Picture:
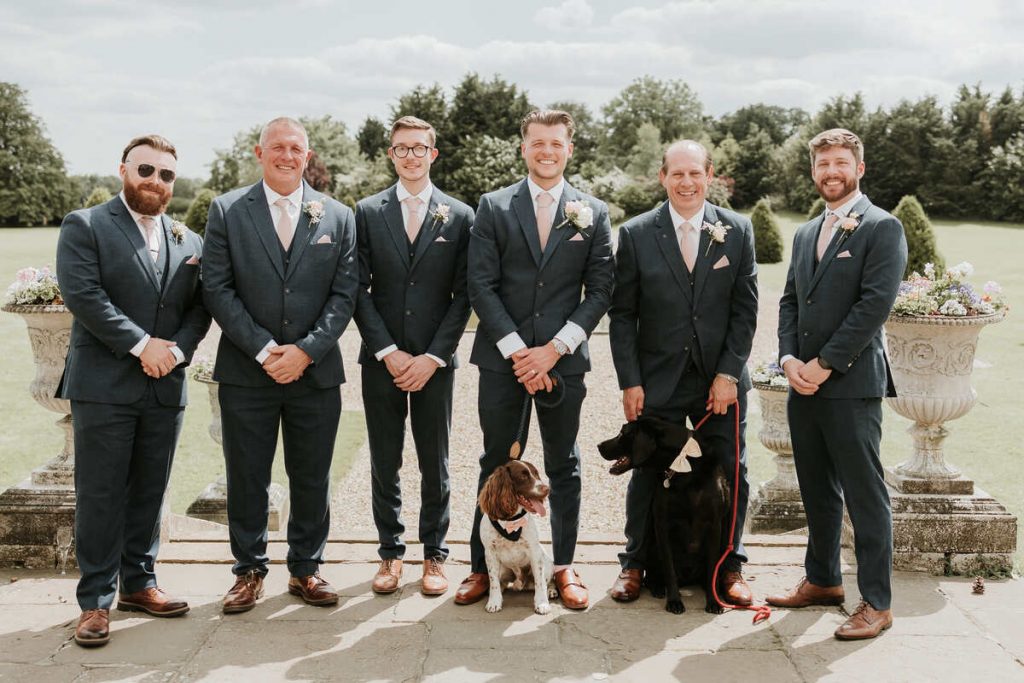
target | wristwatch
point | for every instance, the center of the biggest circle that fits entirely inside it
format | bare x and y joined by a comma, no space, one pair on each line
560,347
825,365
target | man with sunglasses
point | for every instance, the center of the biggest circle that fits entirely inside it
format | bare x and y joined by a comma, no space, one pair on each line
130,276
280,278
413,309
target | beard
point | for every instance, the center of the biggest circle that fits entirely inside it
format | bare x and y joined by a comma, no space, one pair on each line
831,194
147,198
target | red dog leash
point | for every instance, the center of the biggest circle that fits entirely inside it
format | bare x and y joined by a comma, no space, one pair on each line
763,612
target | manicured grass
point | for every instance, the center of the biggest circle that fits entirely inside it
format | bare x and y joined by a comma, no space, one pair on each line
29,438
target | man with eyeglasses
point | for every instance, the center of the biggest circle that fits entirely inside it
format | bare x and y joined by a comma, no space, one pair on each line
280,278
413,309
130,276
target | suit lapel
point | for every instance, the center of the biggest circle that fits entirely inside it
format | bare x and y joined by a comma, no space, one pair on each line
391,210
706,251
175,252
558,235
522,206
259,212
124,221
665,236
302,228
838,239
430,227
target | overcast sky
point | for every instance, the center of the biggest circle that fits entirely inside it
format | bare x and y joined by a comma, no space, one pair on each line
101,71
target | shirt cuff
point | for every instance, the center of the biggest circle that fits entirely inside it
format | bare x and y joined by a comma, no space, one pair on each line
728,377
265,352
178,355
140,347
509,344
440,363
787,357
572,335
385,351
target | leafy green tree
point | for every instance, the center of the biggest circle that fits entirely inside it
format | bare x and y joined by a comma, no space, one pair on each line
724,155
672,106
778,122
817,208
1004,180
373,138
198,210
767,234
34,186
921,248
754,170
98,196
645,157
1007,116
486,163
587,140
639,196
236,166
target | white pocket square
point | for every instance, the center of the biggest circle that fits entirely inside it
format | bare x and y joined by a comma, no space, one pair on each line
324,239
844,254
721,263
440,238
194,261
578,237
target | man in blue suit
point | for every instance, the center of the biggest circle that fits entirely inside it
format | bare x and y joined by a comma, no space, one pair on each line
280,277
682,325
413,308
540,278
843,277
130,276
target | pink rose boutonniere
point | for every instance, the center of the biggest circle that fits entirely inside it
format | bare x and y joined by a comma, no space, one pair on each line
315,210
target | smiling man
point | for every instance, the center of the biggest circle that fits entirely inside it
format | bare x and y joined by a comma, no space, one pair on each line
413,309
682,325
540,278
280,275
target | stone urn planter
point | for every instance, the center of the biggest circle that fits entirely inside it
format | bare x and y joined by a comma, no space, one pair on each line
776,506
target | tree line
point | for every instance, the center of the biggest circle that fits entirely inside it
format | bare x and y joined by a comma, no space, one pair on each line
964,160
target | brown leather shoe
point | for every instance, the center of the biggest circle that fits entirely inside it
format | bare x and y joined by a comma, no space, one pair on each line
865,622
571,589
388,574
472,588
313,589
93,628
434,581
627,587
734,590
806,594
243,595
153,601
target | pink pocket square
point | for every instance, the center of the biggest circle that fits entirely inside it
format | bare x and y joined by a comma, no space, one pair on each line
194,261
440,238
324,239
578,237
721,263
844,254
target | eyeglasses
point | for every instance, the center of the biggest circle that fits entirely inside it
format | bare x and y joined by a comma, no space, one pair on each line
418,151
146,170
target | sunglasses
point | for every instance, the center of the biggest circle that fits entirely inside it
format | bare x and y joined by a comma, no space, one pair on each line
146,170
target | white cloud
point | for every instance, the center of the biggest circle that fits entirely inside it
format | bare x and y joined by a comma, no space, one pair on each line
570,14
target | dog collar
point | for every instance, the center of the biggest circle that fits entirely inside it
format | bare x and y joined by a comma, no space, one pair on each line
516,526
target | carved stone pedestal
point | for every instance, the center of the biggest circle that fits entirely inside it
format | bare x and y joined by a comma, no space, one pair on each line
776,506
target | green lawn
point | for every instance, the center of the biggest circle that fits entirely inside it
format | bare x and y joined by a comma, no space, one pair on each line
29,438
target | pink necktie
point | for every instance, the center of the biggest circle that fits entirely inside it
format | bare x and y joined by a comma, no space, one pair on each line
825,236
545,217
687,246
285,230
414,206
152,244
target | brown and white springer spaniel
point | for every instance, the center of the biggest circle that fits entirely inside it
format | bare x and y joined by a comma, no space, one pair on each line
510,497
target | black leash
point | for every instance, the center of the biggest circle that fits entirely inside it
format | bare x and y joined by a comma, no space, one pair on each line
546,399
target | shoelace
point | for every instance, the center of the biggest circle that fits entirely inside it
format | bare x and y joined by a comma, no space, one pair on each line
434,566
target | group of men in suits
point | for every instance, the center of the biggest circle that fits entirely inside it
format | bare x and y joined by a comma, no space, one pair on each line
284,269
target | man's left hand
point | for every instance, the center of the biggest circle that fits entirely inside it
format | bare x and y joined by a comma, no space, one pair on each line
417,373
286,363
814,373
722,395
530,364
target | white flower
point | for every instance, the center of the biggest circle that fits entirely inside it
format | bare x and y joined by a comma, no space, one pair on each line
717,233
985,308
929,271
178,231
578,214
441,213
315,210
952,307
960,271
34,286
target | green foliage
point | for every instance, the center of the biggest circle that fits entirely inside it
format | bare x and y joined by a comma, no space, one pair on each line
486,163
778,122
767,234
720,191
588,135
638,197
754,168
645,157
34,187
671,106
921,247
198,210
1004,180
373,138
100,195
817,208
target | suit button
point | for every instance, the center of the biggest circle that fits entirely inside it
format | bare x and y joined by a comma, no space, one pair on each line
807,334
412,282
540,284
536,315
408,311
686,348
810,301
287,322
696,317
161,305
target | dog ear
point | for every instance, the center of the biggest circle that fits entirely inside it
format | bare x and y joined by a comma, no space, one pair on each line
620,445
674,435
497,498
644,445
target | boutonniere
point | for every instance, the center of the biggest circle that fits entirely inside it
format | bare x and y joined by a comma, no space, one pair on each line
578,214
315,210
717,232
441,213
850,223
178,231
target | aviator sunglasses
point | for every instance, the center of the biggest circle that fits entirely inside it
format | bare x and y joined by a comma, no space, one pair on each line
146,170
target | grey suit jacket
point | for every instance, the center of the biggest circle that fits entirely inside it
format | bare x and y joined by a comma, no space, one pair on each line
836,310
420,303
658,320
513,287
256,295
110,284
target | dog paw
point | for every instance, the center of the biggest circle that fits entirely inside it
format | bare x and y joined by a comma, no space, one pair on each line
713,608
518,585
493,606
657,591
542,608
675,606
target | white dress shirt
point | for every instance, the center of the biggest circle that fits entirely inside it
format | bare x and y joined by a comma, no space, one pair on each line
696,220
293,208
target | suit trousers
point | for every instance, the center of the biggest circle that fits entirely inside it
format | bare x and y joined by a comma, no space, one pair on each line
836,453
123,457
430,410
716,439
500,404
308,421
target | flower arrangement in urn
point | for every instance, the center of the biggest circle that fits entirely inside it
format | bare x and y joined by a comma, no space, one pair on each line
34,287
769,374
948,294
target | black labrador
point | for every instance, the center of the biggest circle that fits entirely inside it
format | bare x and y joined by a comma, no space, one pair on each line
690,510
